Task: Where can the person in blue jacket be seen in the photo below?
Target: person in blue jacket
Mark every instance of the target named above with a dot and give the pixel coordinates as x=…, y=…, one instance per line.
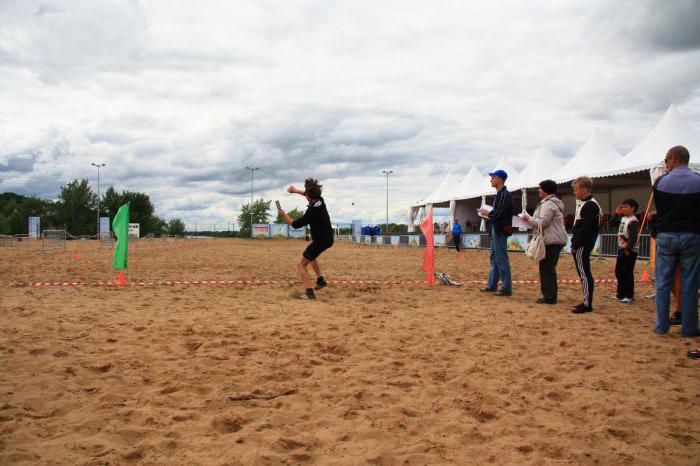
x=457, y=234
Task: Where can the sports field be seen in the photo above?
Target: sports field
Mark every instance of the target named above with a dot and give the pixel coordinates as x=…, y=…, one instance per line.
x=369, y=373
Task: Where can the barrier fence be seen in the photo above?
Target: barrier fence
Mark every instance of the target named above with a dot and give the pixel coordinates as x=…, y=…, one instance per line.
x=606, y=246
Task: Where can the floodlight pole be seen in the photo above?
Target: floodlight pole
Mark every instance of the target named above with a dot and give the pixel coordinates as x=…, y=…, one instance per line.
x=98, y=165
x=387, y=173
x=252, y=173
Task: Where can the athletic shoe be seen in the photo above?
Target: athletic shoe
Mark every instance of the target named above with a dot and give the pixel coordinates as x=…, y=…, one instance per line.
x=545, y=301
x=627, y=300
x=488, y=290
x=321, y=283
x=308, y=295
x=675, y=319
x=581, y=308
x=614, y=298
x=503, y=293
x=694, y=354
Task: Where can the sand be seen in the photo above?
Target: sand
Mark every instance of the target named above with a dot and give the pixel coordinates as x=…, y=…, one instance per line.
x=366, y=375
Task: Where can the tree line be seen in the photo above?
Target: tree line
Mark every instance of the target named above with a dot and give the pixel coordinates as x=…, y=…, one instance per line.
x=75, y=211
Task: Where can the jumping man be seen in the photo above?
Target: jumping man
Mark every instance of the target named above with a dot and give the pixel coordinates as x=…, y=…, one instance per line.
x=316, y=216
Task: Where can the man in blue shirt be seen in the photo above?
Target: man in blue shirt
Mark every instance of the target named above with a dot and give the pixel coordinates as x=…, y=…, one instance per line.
x=500, y=225
x=677, y=225
x=457, y=234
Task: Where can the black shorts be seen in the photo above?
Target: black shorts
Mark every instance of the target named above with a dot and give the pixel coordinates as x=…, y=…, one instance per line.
x=314, y=250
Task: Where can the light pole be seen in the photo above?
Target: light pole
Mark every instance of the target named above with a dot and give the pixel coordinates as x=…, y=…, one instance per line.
x=387, y=173
x=252, y=173
x=98, y=165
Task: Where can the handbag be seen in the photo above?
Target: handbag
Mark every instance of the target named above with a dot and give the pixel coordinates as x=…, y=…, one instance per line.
x=535, y=248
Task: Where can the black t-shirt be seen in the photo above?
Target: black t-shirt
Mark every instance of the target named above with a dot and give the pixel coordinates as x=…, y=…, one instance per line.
x=316, y=216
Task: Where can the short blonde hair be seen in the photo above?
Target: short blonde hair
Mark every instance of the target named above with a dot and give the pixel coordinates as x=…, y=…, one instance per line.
x=583, y=182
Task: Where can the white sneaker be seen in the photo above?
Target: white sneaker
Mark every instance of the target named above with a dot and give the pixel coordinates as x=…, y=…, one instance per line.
x=626, y=300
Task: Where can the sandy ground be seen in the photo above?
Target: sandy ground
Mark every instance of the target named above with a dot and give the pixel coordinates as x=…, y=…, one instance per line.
x=366, y=375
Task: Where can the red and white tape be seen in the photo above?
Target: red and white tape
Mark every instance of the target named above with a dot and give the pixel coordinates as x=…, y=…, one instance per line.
x=276, y=282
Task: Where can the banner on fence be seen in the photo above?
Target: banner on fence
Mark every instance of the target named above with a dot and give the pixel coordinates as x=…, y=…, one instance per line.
x=261, y=231
x=279, y=230
x=517, y=242
x=440, y=240
x=297, y=233
x=395, y=240
x=470, y=241
x=135, y=230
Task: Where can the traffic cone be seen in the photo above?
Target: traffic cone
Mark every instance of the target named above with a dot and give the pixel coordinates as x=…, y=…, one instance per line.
x=77, y=256
x=121, y=281
x=645, y=276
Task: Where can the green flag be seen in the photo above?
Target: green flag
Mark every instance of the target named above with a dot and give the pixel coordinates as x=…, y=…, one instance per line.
x=120, y=227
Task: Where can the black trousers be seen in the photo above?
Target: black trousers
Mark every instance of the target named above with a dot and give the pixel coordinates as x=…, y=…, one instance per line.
x=458, y=241
x=582, y=260
x=624, y=272
x=548, y=272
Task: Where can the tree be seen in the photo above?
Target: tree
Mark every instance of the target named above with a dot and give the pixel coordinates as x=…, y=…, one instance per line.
x=4, y=225
x=75, y=208
x=176, y=227
x=294, y=213
x=260, y=215
x=111, y=201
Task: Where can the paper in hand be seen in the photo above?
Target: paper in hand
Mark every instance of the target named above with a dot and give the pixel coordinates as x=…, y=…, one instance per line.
x=485, y=207
x=277, y=203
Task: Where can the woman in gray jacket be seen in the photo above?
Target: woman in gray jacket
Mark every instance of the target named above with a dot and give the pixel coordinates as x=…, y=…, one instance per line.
x=550, y=215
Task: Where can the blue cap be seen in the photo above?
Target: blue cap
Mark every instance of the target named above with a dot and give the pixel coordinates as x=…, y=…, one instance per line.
x=500, y=174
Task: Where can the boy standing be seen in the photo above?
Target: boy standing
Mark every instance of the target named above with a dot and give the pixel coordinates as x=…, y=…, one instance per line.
x=583, y=238
x=627, y=251
x=316, y=216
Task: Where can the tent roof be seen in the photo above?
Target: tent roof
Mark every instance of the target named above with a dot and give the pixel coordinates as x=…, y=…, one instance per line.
x=670, y=131
x=541, y=167
x=595, y=153
x=512, y=182
x=474, y=181
x=444, y=190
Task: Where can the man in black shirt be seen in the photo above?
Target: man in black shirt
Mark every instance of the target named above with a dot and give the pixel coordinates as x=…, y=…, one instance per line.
x=316, y=216
x=584, y=236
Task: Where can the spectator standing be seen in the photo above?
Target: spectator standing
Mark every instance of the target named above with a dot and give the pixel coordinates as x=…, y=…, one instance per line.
x=457, y=234
x=677, y=224
x=549, y=215
x=500, y=227
x=627, y=250
x=584, y=236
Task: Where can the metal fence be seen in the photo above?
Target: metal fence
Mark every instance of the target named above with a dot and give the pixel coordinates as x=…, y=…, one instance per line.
x=607, y=243
x=53, y=240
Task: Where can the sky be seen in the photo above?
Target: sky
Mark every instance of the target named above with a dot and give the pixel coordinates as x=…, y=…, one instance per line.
x=178, y=97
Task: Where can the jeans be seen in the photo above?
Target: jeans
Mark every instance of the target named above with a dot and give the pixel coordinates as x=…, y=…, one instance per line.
x=624, y=272
x=500, y=266
x=548, y=272
x=671, y=249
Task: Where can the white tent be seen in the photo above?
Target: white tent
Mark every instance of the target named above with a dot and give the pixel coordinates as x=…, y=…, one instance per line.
x=670, y=131
x=473, y=182
x=541, y=167
x=595, y=154
x=443, y=193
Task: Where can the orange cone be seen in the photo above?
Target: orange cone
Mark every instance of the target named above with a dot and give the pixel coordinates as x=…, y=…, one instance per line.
x=77, y=256
x=645, y=276
x=121, y=280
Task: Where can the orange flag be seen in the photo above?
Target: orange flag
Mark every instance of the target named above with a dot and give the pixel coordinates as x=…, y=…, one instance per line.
x=429, y=257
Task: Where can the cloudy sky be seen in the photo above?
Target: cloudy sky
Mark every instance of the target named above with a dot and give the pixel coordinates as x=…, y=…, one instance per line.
x=177, y=97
